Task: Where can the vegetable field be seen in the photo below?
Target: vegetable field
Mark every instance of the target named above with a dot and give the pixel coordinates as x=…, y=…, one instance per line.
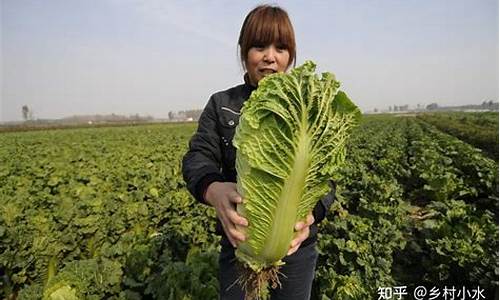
x=477, y=129
x=103, y=213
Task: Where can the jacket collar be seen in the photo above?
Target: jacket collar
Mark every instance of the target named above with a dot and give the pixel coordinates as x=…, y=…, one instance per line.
x=248, y=85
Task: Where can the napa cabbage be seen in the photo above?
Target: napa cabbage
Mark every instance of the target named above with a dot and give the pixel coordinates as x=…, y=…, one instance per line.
x=290, y=139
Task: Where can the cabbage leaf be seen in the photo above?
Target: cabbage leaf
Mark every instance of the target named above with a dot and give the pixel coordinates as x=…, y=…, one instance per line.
x=290, y=140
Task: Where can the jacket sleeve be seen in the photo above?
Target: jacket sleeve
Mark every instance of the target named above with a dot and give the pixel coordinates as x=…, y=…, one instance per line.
x=201, y=164
x=323, y=205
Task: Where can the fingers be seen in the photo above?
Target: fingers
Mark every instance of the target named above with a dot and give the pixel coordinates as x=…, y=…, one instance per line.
x=303, y=231
x=301, y=225
x=232, y=233
x=235, y=218
x=300, y=237
x=310, y=219
x=234, y=197
x=295, y=244
x=230, y=218
x=227, y=197
x=293, y=250
x=232, y=241
x=297, y=241
x=233, y=194
x=231, y=212
x=235, y=235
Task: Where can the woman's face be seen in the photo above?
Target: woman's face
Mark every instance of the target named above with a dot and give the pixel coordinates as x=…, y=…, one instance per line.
x=265, y=60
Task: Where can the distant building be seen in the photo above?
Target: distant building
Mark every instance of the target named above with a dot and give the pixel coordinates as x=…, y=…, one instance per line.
x=185, y=115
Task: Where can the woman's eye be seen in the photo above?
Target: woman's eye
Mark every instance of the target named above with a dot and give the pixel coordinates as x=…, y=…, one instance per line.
x=281, y=48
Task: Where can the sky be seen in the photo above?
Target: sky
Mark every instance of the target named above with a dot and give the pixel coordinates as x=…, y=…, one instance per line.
x=80, y=57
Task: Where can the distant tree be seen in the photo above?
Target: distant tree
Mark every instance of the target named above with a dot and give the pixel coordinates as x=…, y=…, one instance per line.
x=26, y=112
x=432, y=106
x=375, y=110
x=170, y=115
x=390, y=108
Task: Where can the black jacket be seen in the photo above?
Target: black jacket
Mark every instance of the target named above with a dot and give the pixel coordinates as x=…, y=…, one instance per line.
x=211, y=155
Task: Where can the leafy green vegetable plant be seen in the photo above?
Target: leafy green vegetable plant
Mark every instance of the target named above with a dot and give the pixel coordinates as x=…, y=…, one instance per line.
x=290, y=139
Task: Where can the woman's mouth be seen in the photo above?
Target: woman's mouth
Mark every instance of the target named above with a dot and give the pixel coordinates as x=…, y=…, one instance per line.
x=267, y=71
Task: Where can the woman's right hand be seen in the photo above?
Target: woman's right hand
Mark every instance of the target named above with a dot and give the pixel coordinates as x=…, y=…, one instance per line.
x=223, y=196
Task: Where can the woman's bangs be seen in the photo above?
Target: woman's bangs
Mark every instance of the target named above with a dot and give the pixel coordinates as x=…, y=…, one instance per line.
x=272, y=31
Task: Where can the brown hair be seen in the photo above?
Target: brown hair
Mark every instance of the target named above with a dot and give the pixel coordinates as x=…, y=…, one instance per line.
x=263, y=26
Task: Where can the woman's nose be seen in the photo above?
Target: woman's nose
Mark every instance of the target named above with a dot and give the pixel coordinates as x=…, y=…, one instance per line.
x=270, y=53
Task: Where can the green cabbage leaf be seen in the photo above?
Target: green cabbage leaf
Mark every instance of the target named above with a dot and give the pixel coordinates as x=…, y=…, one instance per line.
x=290, y=140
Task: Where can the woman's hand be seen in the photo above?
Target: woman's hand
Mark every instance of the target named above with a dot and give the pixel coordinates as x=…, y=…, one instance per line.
x=302, y=233
x=224, y=197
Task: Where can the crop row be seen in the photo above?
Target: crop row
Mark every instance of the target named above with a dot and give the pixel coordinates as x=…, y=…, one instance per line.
x=479, y=131
x=367, y=222
x=417, y=206
x=454, y=190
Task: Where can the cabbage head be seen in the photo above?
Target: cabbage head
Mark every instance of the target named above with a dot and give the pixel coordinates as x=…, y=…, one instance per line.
x=290, y=140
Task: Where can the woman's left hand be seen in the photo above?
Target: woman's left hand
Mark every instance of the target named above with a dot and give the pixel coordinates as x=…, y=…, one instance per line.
x=302, y=233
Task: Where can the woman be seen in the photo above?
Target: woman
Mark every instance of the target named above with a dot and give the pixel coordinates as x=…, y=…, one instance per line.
x=267, y=45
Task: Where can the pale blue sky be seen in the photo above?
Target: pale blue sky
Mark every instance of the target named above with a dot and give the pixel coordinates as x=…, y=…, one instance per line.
x=71, y=57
